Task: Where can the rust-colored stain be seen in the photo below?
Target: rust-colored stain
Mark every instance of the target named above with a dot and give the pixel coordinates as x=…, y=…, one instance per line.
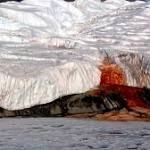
x=113, y=80
x=130, y=94
x=112, y=74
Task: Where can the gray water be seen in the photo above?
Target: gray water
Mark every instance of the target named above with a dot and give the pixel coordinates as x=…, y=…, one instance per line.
x=72, y=134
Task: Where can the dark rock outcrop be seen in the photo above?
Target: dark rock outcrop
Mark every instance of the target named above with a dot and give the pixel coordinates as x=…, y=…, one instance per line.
x=107, y=99
x=72, y=104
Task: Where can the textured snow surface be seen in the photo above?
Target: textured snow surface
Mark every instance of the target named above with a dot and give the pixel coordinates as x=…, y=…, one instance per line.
x=69, y=134
x=50, y=48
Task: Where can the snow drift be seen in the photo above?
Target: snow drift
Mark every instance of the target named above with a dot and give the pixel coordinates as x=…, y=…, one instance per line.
x=53, y=48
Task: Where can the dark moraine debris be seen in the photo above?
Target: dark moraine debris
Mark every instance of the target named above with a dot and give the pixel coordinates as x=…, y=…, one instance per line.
x=70, y=105
x=109, y=98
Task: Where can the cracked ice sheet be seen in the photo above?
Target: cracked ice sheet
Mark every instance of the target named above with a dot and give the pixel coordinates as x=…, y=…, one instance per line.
x=53, y=48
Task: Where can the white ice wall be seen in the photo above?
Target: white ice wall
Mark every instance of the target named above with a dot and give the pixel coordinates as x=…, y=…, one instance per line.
x=52, y=48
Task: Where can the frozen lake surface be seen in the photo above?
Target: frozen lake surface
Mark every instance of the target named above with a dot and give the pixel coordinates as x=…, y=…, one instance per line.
x=52, y=48
x=72, y=134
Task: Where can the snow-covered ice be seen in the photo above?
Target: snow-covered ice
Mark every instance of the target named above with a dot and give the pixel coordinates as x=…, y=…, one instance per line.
x=70, y=134
x=50, y=48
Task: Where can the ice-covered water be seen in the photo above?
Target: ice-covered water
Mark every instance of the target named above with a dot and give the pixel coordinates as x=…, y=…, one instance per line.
x=71, y=134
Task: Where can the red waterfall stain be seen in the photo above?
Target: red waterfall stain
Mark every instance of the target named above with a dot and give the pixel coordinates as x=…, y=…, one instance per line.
x=113, y=80
x=112, y=74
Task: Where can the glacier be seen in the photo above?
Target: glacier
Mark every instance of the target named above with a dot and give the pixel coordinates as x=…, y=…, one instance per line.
x=52, y=48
